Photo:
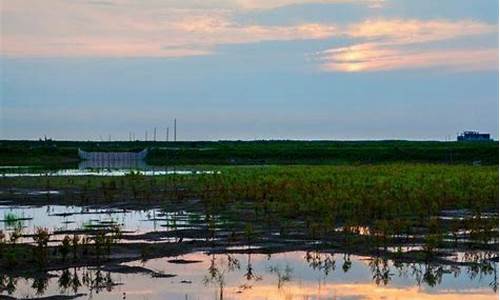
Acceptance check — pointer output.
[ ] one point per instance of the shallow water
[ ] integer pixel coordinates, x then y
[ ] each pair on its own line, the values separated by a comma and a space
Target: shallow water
288, 275
291, 275
102, 172
90, 168
66, 218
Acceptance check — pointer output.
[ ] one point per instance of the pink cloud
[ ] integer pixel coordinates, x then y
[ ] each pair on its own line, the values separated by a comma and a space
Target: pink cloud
371, 57
394, 44
417, 31
171, 29
78, 29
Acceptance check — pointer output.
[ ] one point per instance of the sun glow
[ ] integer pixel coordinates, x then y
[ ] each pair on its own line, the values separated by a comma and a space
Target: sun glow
371, 57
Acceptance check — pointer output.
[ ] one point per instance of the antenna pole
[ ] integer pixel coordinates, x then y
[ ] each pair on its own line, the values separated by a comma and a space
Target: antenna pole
175, 130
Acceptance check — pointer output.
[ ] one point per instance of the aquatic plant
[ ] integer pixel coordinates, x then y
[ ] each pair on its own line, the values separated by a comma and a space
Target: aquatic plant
16, 234
249, 273
346, 266
249, 232
432, 238
85, 245
87, 224
99, 243
216, 276
2, 243
283, 274
40, 284
108, 242
12, 220
74, 245
41, 238
324, 262
11, 258
381, 272
64, 281
75, 282
65, 247
210, 219
11, 285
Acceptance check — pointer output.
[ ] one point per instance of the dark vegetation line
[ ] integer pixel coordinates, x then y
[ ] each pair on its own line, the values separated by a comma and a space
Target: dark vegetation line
258, 152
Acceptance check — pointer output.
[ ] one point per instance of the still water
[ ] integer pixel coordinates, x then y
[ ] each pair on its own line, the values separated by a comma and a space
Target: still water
61, 220
97, 168
290, 275
60, 217
200, 275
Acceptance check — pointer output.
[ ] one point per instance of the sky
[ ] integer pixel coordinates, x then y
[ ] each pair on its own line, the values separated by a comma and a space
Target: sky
248, 69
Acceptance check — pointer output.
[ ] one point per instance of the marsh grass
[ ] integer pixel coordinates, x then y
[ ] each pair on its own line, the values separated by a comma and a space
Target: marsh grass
41, 238
370, 205
12, 220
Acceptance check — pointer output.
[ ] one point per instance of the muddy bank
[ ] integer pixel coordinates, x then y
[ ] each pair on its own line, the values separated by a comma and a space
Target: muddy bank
152, 246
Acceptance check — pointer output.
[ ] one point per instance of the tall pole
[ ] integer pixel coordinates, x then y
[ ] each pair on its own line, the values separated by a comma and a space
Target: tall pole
154, 135
146, 136
175, 130
167, 133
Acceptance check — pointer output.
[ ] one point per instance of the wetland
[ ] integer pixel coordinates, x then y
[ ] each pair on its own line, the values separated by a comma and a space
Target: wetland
398, 230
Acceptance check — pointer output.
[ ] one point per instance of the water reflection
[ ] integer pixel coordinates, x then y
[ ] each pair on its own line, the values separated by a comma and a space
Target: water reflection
381, 272
66, 282
324, 262
291, 275
64, 219
114, 164
99, 168
283, 274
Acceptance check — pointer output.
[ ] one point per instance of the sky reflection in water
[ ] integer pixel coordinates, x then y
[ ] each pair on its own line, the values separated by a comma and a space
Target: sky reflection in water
292, 275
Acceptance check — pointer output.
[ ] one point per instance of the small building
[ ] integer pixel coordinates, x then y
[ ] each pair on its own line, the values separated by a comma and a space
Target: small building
474, 136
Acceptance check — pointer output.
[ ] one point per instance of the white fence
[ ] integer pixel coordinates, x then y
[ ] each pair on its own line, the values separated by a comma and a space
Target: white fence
112, 156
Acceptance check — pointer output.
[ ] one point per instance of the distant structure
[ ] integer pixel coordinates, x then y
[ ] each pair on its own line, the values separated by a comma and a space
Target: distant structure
473, 136
175, 130
112, 156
